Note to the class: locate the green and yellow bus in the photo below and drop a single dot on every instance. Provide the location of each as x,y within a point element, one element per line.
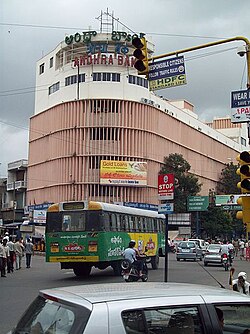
<point>82,235</point>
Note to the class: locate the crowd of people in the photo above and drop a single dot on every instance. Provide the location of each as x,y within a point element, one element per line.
<point>12,252</point>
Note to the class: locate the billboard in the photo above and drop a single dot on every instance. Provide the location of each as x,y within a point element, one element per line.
<point>167,73</point>
<point>227,199</point>
<point>240,104</point>
<point>123,173</point>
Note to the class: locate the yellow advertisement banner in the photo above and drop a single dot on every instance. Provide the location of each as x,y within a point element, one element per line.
<point>132,173</point>
<point>176,80</point>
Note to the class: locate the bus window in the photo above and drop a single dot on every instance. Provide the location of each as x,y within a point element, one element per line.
<point>118,222</point>
<point>54,222</point>
<point>139,224</point>
<point>82,222</point>
<point>136,224</point>
<point>150,224</point>
<point>66,223</point>
<point>156,225</point>
<point>123,223</point>
<point>131,224</point>
<point>126,223</point>
<point>105,222</point>
<point>113,224</point>
<point>144,224</point>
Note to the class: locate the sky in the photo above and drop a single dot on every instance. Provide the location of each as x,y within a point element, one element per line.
<point>29,29</point>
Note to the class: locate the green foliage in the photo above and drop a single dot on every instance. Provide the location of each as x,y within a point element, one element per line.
<point>216,223</point>
<point>228,180</point>
<point>186,183</point>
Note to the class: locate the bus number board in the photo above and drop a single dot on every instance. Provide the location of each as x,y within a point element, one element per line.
<point>74,206</point>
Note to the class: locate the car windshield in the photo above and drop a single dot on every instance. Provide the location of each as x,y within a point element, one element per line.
<point>214,247</point>
<point>47,316</point>
<point>187,245</point>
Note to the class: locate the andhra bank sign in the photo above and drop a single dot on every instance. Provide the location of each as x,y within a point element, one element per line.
<point>115,50</point>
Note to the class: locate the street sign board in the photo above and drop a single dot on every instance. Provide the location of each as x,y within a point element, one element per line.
<point>165,186</point>
<point>231,207</point>
<point>167,73</point>
<point>166,208</point>
<point>240,104</point>
<point>198,203</point>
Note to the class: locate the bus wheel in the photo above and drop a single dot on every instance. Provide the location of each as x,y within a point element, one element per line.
<point>82,270</point>
<point>155,262</point>
<point>117,268</point>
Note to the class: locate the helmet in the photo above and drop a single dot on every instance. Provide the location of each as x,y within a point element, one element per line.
<point>243,275</point>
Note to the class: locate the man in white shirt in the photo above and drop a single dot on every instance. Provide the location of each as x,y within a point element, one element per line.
<point>241,285</point>
<point>131,254</point>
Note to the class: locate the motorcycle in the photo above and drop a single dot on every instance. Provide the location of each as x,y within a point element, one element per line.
<point>131,274</point>
<point>225,261</point>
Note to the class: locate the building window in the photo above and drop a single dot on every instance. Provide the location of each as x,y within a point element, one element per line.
<point>132,79</point>
<point>51,62</point>
<point>41,68</point>
<point>81,77</point>
<point>55,87</point>
<point>115,77</point>
<point>73,79</point>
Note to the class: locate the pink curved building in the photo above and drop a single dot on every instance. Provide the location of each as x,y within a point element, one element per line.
<point>92,106</point>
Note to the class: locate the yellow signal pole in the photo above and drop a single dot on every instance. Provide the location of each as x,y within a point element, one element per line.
<point>237,38</point>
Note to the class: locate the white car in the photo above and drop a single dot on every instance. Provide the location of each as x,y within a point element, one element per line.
<point>136,308</point>
<point>201,244</point>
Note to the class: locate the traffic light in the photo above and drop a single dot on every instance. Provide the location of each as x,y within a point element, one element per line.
<point>141,55</point>
<point>244,215</point>
<point>244,172</point>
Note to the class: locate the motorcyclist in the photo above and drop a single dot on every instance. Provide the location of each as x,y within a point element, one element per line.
<point>132,254</point>
<point>225,249</point>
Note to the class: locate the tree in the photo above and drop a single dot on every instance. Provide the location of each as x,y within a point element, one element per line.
<point>228,180</point>
<point>186,183</point>
<point>216,223</point>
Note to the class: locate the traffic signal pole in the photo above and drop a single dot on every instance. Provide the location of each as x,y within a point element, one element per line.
<point>202,46</point>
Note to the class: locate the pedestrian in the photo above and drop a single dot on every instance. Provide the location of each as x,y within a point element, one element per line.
<point>29,251</point>
<point>10,264</point>
<point>19,251</point>
<point>3,260</point>
<point>239,284</point>
<point>242,248</point>
<point>236,246</point>
<point>7,252</point>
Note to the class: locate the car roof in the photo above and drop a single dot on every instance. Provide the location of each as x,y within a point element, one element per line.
<point>97,293</point>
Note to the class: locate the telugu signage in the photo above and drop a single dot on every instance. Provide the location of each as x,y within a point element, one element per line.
<point>198,203</point>
<point>167,73</point>
<point>240,104</point>
<point>123,173</point>
<point>165,186</point>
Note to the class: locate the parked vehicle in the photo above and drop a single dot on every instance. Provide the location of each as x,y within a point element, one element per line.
<point>188,250</point>
<point>131,274</point>
<point>120,308</point>
<point>225,261</point>
<point>201,244</point>
<point>212,255</point>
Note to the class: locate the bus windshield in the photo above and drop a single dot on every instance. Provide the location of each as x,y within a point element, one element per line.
<point>73,221</point>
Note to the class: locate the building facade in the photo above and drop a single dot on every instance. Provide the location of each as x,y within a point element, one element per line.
<point>91,106</point>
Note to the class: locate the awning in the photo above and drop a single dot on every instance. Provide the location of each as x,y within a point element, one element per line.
<point>12,225</point>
